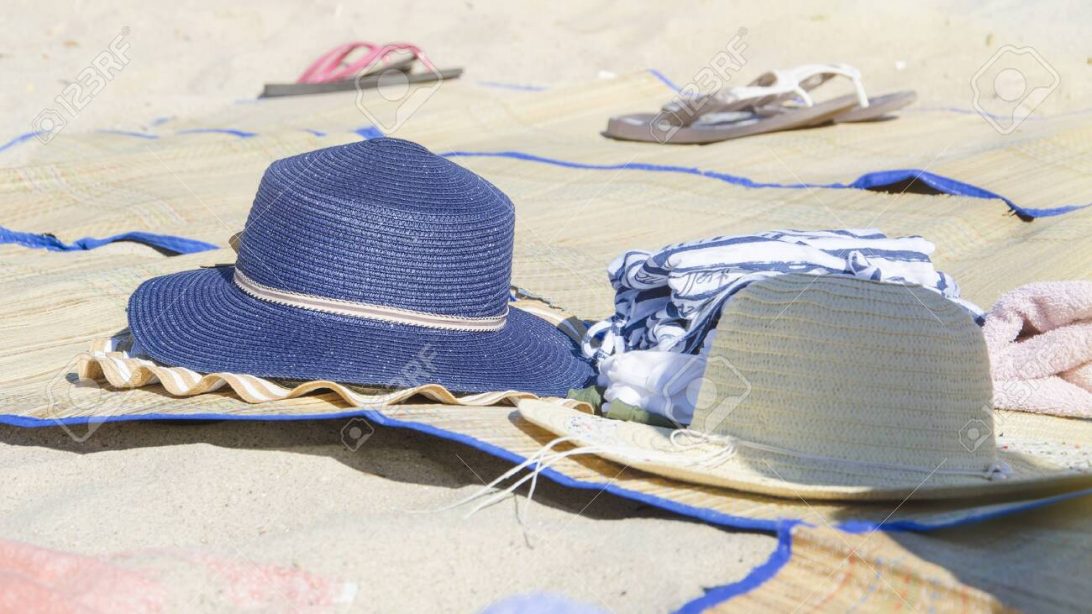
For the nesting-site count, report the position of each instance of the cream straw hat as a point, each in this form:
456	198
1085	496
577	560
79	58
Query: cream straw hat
830	387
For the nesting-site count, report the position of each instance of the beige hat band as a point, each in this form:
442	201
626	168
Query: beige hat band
366	310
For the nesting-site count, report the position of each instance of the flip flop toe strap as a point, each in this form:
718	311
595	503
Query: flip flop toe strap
770	90
334	65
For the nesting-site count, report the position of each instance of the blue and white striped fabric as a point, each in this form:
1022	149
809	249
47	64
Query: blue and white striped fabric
669	300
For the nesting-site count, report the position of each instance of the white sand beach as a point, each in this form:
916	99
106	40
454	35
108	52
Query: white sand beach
192	57
283	516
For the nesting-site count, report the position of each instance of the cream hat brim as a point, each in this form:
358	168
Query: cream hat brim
650	449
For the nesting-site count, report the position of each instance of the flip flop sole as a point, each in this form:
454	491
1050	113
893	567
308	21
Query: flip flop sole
878	107
274	90
650	127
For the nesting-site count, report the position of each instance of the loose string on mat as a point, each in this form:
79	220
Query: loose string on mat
538	462
682	440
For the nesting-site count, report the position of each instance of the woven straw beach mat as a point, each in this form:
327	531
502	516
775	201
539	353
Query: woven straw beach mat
581	200
942	571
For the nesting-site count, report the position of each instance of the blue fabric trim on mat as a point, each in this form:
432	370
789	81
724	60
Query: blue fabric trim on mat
864	526
243	134
940	183
22	138
664	79
369	132
138	135
703	514
169	243
756	578
948	185
783	528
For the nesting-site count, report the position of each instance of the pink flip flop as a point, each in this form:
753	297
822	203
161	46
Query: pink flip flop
337	71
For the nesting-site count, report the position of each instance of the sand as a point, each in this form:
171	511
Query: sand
283	516
178	498
192	57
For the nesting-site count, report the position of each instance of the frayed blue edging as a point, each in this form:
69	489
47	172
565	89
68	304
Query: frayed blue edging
756	578
168	243
917	526
703	514
369	132
664	79
867	181
26	136
242	134
181	245
947	185
136	135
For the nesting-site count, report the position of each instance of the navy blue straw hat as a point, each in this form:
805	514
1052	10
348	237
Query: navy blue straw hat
375	263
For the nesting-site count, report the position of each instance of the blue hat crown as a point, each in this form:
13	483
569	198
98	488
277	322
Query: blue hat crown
383	222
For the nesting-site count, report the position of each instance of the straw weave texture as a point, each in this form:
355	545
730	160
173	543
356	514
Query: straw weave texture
848	368
570	222
1032	557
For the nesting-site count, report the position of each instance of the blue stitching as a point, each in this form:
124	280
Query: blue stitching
243	134
758	576
177	245
940	183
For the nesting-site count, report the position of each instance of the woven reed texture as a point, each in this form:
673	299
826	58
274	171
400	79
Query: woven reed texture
92	293
832	572
1032	559
382	222
109	360
871	372
570	222
521	437
563	254
565	123
788	472
36	387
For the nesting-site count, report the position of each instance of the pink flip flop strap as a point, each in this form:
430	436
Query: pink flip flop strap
330	60
331	65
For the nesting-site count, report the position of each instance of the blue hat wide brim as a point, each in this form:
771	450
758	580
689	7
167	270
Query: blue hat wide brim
202	321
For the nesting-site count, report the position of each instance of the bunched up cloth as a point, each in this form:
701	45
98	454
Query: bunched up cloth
668	302
1040	341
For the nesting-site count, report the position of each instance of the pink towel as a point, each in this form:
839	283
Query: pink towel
34	579
1040	342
